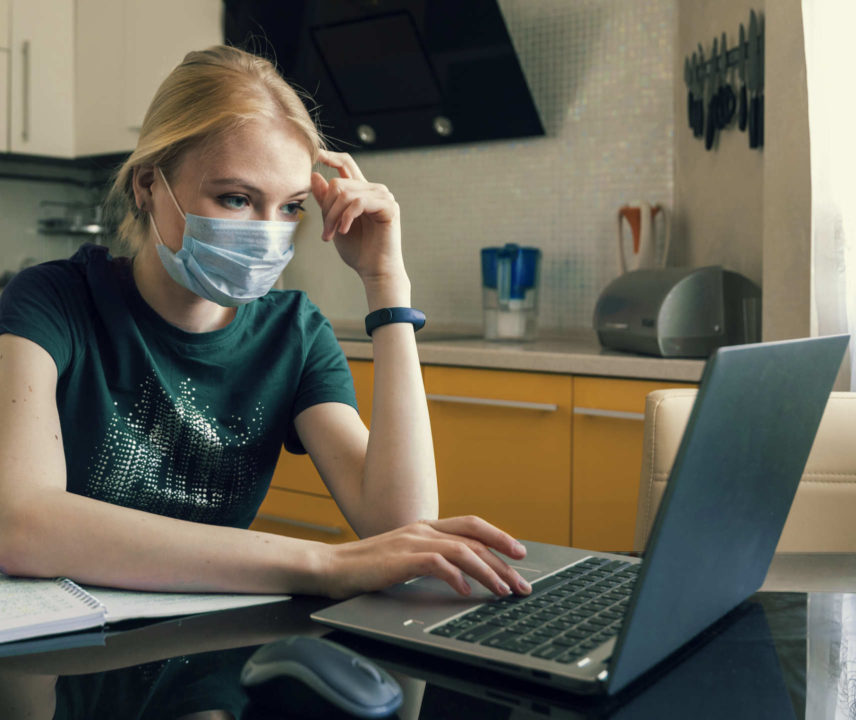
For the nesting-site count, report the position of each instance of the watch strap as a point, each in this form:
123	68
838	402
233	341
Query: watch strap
385	316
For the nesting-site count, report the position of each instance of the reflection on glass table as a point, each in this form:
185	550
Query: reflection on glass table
780	655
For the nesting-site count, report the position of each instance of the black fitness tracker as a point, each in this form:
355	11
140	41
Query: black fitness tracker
384	316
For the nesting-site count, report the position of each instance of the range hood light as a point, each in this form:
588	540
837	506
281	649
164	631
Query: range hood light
366	134
443	126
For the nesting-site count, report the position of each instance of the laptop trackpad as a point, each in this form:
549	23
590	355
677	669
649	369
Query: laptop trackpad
427	586
528	573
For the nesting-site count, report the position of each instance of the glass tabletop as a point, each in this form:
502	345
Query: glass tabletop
787	652
779	655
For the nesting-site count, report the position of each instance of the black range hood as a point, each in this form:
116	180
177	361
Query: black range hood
394	73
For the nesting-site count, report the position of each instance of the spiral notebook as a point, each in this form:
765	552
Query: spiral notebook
35	607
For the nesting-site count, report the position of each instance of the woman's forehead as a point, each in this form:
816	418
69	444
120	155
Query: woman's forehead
267	155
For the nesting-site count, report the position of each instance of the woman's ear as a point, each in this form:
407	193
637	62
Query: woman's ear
142	178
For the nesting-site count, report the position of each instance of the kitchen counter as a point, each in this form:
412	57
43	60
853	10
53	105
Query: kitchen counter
576	352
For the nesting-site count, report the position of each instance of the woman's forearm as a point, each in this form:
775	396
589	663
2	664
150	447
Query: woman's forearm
55	533
400	474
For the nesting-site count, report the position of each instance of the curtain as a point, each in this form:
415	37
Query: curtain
828	29
831	654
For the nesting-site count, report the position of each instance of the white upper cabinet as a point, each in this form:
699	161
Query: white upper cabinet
158	34
41	72
4	24
4	76
125	48
82	72
4	100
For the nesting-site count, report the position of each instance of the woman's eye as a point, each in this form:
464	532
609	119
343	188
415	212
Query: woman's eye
235	202
293	210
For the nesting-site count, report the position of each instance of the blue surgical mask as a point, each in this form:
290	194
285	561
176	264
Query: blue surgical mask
229	262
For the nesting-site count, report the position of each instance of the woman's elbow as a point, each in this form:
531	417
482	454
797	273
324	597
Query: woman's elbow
16	540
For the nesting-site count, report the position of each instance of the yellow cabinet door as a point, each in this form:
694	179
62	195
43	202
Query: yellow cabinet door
502	446
311	517
296	486
609	416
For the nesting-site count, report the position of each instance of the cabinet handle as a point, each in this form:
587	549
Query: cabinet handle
616	414
329	530
516	404
25	105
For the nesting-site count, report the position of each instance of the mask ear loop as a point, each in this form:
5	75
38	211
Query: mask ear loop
175	202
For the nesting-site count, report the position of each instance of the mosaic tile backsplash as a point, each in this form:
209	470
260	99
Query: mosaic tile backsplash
601	74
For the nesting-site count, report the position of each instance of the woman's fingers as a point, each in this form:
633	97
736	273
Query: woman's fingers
346	200
436	565
479	529
319	187
449	561
480	536
464	542
343	163
423	548
481	565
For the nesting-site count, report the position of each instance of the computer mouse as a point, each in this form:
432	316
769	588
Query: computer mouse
313	677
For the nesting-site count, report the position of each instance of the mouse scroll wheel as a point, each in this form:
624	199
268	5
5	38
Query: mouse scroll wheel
367	668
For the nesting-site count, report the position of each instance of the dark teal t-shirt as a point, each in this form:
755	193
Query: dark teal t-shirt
182	424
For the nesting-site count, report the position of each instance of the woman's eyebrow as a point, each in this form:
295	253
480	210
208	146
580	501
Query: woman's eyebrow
240	182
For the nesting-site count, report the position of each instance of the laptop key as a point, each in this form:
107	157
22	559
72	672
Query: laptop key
548	652
544	634
572	655
540	586
598	621
503	637
477	633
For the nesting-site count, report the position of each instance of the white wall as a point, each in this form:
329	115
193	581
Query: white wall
787	178
601	73
746	209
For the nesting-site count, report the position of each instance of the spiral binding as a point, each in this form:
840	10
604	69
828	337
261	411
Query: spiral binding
79	593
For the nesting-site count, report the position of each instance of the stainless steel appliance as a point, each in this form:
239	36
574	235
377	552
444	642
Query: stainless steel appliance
678	312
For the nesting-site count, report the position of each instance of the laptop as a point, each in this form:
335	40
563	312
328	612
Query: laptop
731	670
597	621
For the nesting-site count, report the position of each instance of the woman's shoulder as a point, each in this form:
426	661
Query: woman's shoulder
293	308
67	277
46	277
295	302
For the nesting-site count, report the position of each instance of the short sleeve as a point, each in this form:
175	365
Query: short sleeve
326	376
36	304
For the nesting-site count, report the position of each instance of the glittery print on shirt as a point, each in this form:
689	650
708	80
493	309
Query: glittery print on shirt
171	457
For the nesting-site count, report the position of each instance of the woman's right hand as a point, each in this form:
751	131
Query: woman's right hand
447	549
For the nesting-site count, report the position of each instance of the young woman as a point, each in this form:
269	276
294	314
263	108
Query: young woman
144	400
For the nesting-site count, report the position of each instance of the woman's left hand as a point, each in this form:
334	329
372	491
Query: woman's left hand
361	218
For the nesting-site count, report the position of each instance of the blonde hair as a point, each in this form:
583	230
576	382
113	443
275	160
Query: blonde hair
210	92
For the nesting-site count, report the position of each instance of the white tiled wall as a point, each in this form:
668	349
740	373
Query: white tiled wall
20	240
601	75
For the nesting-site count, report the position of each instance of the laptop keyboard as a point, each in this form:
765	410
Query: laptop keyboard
567	615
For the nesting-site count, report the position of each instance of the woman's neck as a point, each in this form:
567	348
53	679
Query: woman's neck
175	304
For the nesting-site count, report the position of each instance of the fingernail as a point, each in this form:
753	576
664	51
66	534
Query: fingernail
519	547
524	586
503	588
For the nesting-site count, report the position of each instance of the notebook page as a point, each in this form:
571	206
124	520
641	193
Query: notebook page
33	607
131	604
